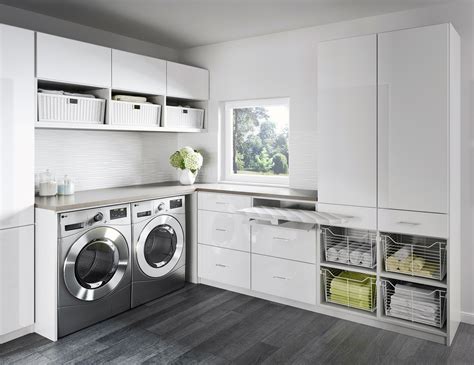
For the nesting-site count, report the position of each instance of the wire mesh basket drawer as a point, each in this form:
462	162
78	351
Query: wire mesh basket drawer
414	255
179	117
349	246
126	113
414	303
63	108
350	289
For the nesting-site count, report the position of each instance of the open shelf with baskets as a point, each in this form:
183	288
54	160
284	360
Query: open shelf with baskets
415	256
349	247
414	303
348	289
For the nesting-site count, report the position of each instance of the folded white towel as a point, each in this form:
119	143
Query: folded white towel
424	307
52	92
403	253
355	257
411	291
343	255
367	259
130	98
332	254
80	95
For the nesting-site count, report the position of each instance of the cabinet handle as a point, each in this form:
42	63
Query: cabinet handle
221	229
221	265
222	203
409	223
281	238
280	278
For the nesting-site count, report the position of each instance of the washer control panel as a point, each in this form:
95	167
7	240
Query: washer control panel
118	213
176	203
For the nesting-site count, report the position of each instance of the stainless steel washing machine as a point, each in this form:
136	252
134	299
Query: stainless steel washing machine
159	248
94	274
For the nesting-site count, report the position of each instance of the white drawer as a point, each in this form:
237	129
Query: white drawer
295	241
218	202
224	266
284	278
360	217
224	230
423	224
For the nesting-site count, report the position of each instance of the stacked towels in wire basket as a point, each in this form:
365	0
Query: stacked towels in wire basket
351	289
405	261
358	255
411	302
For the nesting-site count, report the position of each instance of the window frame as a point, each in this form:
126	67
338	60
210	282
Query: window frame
229	175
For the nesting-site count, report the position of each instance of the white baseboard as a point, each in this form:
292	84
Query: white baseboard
15	334
467	317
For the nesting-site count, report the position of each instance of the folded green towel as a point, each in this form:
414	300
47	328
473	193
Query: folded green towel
353	289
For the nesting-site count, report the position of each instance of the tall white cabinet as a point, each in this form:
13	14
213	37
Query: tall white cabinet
347	120
413	119
389	136
17	112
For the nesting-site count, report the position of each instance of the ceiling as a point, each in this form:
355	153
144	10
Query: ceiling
190	23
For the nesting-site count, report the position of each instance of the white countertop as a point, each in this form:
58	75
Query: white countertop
126	194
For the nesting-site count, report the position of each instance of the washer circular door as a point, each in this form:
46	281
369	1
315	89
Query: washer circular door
96	263
160	246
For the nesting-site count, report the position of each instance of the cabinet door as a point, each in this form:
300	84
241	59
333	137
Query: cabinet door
224	230
347	121
133	72
187	82
67	60
16	278
413	119
224	266
17	115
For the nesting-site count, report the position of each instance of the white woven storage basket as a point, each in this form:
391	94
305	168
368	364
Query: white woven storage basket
126	113
179	117
63	108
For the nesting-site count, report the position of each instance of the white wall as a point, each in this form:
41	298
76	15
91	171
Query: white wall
284	64
99	159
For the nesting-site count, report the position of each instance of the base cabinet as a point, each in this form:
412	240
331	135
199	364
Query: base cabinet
16	279
284	278
224	266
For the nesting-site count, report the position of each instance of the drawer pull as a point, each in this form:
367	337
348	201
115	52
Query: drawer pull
281	238
221	229
280	278
409	223
221	265
221	203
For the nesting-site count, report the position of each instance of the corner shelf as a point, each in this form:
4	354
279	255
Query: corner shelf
111	127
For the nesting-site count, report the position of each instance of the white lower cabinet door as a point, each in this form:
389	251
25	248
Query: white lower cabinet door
284	278
16	278
224	266
295	241
224	230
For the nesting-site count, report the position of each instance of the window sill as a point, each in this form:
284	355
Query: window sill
250	183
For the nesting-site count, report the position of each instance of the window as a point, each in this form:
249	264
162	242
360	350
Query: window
256	143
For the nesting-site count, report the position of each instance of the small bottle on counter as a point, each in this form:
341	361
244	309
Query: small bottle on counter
47	185
68	186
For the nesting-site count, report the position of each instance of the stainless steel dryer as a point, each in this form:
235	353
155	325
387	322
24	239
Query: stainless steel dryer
94	273
159	248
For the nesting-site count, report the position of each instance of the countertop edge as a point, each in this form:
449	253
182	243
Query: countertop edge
231	189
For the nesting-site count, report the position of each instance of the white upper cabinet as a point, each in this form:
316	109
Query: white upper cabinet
187	82
413	81
347	121
67	60
133	72
17	115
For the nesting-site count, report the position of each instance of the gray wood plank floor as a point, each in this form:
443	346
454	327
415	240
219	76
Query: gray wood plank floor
201	324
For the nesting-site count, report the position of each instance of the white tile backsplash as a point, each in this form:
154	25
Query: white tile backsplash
96	159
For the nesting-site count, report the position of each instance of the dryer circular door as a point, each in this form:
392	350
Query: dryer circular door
96	263
160	246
